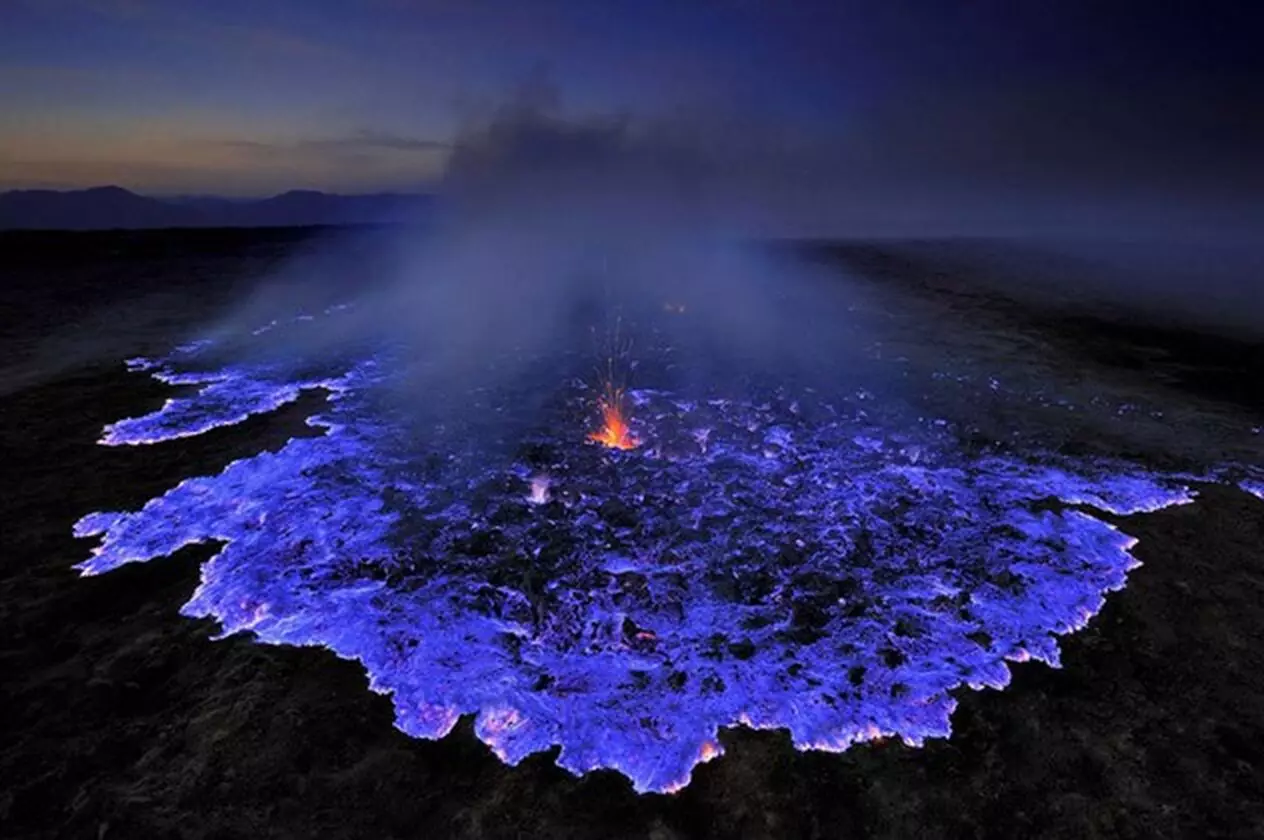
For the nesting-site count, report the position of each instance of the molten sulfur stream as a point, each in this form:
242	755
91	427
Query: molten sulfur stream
614	430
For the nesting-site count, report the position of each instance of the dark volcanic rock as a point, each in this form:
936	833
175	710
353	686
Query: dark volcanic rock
119	718
618	514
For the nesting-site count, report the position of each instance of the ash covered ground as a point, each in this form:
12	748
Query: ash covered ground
837	565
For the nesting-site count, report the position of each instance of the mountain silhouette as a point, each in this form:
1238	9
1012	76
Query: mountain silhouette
103	208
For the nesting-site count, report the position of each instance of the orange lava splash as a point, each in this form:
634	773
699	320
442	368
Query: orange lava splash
614	431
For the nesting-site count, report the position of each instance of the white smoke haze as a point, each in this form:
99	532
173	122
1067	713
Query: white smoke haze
550	234
550	227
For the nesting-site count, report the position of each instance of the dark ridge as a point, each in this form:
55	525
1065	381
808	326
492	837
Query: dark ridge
114	208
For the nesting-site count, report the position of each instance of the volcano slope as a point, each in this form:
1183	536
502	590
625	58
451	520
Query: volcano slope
127	720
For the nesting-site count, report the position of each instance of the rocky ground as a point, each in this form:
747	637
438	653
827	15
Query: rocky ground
122	719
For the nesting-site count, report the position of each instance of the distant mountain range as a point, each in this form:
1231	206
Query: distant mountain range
102	208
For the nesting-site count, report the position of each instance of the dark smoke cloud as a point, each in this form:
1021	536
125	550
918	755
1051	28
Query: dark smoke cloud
1105	158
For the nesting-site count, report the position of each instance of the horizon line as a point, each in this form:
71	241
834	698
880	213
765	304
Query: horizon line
226	197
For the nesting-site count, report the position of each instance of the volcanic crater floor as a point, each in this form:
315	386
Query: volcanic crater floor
127	721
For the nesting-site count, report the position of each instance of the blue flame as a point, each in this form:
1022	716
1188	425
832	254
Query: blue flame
838	578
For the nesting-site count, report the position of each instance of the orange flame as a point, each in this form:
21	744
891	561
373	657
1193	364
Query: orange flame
614	431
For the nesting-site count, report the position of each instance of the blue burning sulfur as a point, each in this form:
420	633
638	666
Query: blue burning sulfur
777	563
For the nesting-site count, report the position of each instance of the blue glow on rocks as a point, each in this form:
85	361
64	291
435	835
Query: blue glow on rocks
224	398
837	576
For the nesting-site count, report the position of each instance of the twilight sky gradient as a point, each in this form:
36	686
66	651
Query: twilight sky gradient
881	98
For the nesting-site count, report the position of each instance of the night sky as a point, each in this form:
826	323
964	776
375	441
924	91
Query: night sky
872	99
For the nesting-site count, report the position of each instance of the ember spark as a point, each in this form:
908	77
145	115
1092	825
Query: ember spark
614	431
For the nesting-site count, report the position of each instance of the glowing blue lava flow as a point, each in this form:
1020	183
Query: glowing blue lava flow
745	566
225	397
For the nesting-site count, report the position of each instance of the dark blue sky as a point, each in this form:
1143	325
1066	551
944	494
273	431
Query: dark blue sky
256	96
